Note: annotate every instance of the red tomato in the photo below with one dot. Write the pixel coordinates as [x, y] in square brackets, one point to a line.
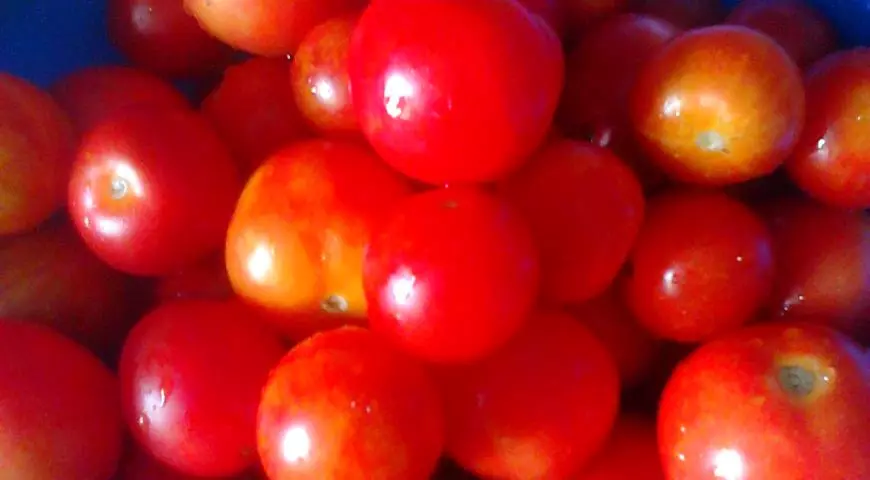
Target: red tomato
[551, 11]
[191, 374]
[631, 453]
[96, 94]
[799, 28]
[454, 92]
[585, 208]
[719, 105]
[703, 264]
[771, 401]
[344, 405]
[272, 28]
[159, 35]
[540, 407]
[153, 191]
[683, 13]
[451, 275]
[254, 112]
[206, 280]
[36, 147]
[829, 162]
[60, 408]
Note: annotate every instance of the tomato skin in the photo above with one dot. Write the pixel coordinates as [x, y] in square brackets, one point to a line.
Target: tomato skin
[554, 379]
[57, 399]
[451, 274]
[416, 66]
[726, 412]
[631, 452]
[551, 11]
[191, 374]
[344, 405]
[153, 191]
[683, 13]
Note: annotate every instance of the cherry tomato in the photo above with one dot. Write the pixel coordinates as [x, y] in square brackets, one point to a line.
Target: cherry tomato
[719, 105]
[829, 161]
[254, 112]
[683, 13]
[206, 280]
[703, 264]
[799, 28]
[454, 92]
[631, 453]
[585, 208]
[159, 35]
[540, 407]
[765, 402]
[36, 147]
[600, 73]
[320, 76]
[153, 191]
[343, 405]
[451, 275]
[191, 374]
[60, 407]
[272, 28]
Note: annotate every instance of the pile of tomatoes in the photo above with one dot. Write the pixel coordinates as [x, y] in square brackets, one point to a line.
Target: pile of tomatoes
[412, 239]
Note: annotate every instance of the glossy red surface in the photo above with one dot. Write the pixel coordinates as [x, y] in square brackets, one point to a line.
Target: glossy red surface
[631, 453]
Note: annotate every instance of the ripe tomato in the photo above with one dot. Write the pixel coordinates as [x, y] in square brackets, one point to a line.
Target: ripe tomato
[191, 374]
[585, 208]
[765, 402]
[159, 35]
[36, 147]
[540, 407]
[153, 191]
[454, 92]
[631, 453]
[60, 408]
[703, 264]
[719, 105]
[344, 405]
[206, 280]
[683, 13]
[272, 28]
[297, 238]
[320, 77]
[829, 162]
[451, 275]
[254, 112]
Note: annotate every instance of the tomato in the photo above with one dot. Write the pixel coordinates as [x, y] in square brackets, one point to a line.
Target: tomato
[153, 191]
[60, 407]
[764, 403]
[454, 92]
[36, 147]
[551, 11]
[206, 280]
[540, 407]
[191, 374]
[159, 35]
[585, 208]
[254, 111]
[320, 77]
[703, 264]
[343, 405]
[271, 28]
[683, 13]
[96, 94]
[719, 105]
[600, 73]
[297, 238]
[829, 161]
[451, 274]
[631, 452]
[799, 28]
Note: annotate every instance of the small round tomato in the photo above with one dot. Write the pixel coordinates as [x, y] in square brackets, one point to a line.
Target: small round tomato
[769, 401]
[683, 13]
[254, 111]
[272, 28]
[540, 407]
[153, 190]
[631, 453]
[191, 374]
[451, 274]
[60, 412]
[585, 208]
[343, 404]
[206, 280]
[829, 162]
[36, 149]
[719, 105]
[702, 264]
[454, 92]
